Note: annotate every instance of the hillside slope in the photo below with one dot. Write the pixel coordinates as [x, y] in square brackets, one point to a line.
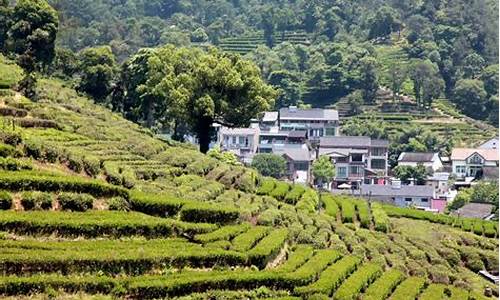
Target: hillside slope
[94, 204]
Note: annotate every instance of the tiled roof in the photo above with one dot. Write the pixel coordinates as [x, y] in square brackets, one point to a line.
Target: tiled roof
[312, 114]
[475, 210]
[403, 191]
[239, 131]
[345, 141]
[270, 116]
[464, 153]
[295, 153]
[419, 157]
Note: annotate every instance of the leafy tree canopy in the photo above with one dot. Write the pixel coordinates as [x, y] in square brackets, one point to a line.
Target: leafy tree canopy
[270, 164]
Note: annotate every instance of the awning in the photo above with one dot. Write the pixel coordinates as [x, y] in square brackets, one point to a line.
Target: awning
[344, 186]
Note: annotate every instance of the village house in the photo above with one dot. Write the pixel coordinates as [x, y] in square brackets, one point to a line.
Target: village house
[490, 144]
[241, 141]
[357, 159]
[420, 196]
[431, 161]
[479, 163]
[316, 122]
[299, 160]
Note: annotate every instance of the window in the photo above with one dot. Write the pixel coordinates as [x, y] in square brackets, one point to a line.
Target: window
[301, 166]
[378, 164]
[378, 151]
[424, 199]
[342, 159]
[242, 140]
[459, 169]
[408, 199]
[342, 172]
[355, 170]
[330, 131]
[357, 157]
[234, 140]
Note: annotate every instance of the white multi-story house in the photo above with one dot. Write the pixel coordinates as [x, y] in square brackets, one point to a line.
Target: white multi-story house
[241, 141]
[429, 160]
[490, 144]
[357, 159]
[468, 162]
[317, 122]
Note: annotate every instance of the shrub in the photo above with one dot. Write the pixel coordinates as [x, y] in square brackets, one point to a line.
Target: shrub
[11, 138]
[478, 227]
[409, 289]
[489, 229]
[356, 283]
[293, 196]
[309, 201]
[118, 203]
[267, 186]
[34, 149]
[432, 292]
[155, 204]
[208, 213]
[248, 239]
[380, 218]
[36, 200]
[37, 123]
[267, 248]
[12, 164]
[75, 163]
[223, 233]
[75, 202]
[13, 112]
[280, 190]
[384, 286]
[331, 207]
[91, 165]
[5, 200]
[347, 208]
[332, 277]
[8, 150]
[312, 268]
[296, 259]
[363, 213]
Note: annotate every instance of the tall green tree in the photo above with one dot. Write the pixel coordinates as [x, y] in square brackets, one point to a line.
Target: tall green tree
[97, 70]
[32, 33]
[471, 96]
[418, 173]
[368, 78]
[323, 170]
[397, 76]
[384, 22]
[427, 82]
[5, 20]
[269, 164]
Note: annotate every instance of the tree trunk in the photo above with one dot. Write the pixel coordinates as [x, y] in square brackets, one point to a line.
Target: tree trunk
[149, 114]
[203, 134]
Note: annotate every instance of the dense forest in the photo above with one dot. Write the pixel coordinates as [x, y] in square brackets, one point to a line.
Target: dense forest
[311, 52]
[452, 44]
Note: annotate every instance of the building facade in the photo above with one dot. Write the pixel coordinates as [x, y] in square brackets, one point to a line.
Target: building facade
[358, 160]
[431, 161]
[317, 122]
[469, 162]
[241, 141]
[420, 196]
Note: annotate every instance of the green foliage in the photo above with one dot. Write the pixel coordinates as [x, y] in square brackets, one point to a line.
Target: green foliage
[384, 285]
[309, 202]
[331, 207]
[471, 96]
[224, 233]
[271, 165]
[225, 157]
[409, 288]
[323, 169]
[433, 291]
[280, 191]
[418, 173]
[248, 239]
[75, 202]
[36, 200]
[332, 277]
[12, 164]
[358, 282]
[119, 204]
[266, 187]
[293, 196]
[380, 218]
[297, 258]
[5, 200]
[268, 248]
[208, 213]
[97, 67]
[347, 208]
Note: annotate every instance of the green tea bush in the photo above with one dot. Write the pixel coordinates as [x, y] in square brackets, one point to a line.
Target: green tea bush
[75, 163]
[380, 218]
[489, 229]
[8, 150]
[36, 200]
[347, 208]
[75, 202]
[155, 204]
[293, 196]
[13, 164]
[91, 165]
[5, 200]
[248, 239]
[280, 190]
[267, 248]
[358, 282]
[310, 270]
[223, 233]
[433, 291]
[309, 201]
[363, 213]
[331, 207]
[383, 287]
[267, 186]
[332, 277]
[208, 213]
[13, 112]
[409, 289]
[118, 203]
[478, 227]
[297, 258]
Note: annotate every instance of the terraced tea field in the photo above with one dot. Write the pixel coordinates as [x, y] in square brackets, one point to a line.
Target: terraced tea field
[92, 205]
